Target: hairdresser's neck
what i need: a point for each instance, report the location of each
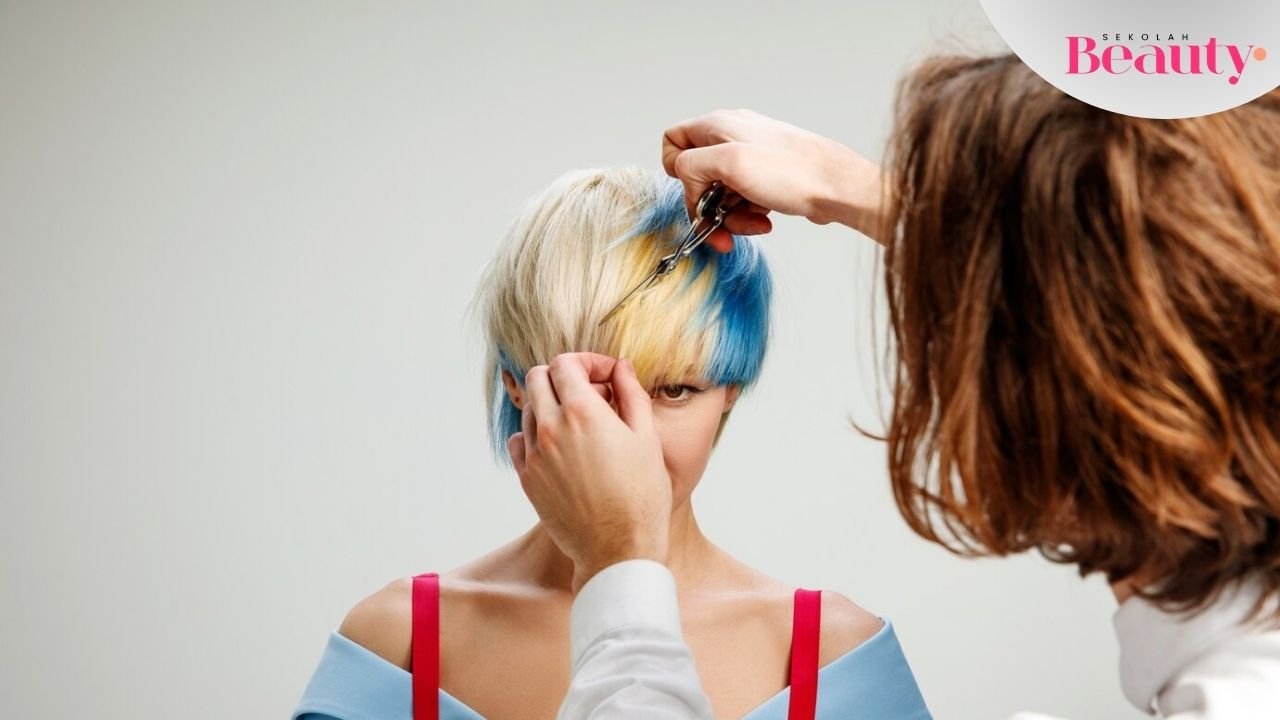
(691, 556)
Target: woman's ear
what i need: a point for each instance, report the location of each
(513, 390)
(731, 396)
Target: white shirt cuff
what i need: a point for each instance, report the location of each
(632, 592)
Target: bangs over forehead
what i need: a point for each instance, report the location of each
(583, 243)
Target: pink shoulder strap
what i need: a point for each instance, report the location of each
(425, 647)
(806, 627)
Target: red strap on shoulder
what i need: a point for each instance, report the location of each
(425, 647)
(806, 628)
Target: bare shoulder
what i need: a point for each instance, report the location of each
(383, 622)
(845, 625)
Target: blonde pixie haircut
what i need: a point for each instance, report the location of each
(575, 249)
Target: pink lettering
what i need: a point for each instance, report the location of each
(1109, 62)
(1156, 55)
(1192, 64)
(1073, 67)
(1085, 57)
(1211, 55)
(1238, 61)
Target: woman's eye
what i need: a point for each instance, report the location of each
(676, 392)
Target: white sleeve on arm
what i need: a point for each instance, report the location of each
(1239, 680)
(629, 655)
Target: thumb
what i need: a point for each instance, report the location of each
(697, 168)
(634, 406)
(515, 448)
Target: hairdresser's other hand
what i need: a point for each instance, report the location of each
(596, 477)
(775, 166)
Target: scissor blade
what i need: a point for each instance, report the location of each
(647, 280)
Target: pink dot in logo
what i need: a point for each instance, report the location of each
(1259, 53)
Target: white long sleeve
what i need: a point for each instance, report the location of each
(629, 655)
(630, 661)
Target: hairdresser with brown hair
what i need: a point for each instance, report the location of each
(1085, 310)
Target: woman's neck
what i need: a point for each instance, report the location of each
(691, 556)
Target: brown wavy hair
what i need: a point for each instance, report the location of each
(1085, 313)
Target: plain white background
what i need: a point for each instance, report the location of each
(237, 390)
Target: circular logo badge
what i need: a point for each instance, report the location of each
(1147, 58)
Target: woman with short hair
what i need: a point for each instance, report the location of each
(492, 638)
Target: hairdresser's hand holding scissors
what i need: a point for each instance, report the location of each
(774, 166)
(577, 458)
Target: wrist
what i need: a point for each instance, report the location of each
(640, 548)
(853, 194)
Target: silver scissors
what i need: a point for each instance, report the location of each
(711, 212)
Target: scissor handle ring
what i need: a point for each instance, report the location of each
(711, 197)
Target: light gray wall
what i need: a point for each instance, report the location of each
(236, 391)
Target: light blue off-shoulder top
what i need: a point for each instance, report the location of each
(870, 682)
